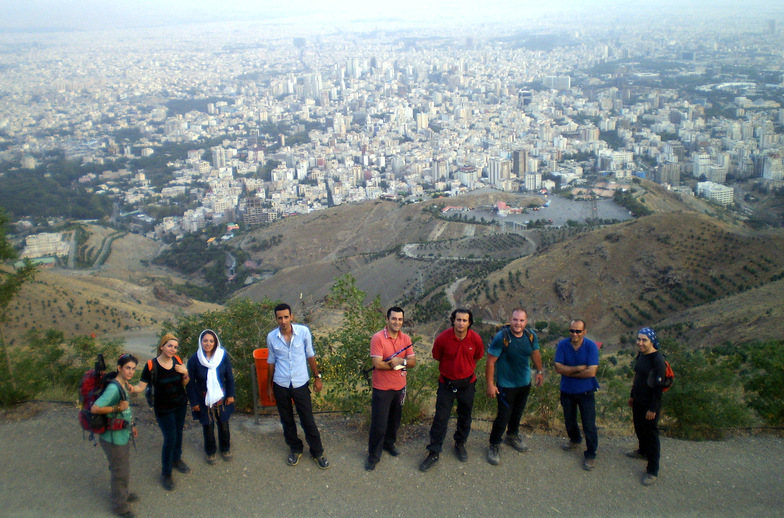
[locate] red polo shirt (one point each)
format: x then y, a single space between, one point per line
382 346
457 358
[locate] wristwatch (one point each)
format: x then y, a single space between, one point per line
540 372
319 375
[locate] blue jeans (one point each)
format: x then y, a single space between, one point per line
224 436
171 424
586 402
511 405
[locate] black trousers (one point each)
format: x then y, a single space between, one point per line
224 436
647 431
300 397
445 397
511 405
386 409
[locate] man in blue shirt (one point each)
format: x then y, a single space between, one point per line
577 360
290 348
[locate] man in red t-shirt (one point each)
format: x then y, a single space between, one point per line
457 350
391 353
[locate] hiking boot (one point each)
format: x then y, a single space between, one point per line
167 482
516 442
226 456
589 464
180 466
321 461
429 462
293 458
569 446
211 459
392 450
635 454
648 480
370 464
461 452
132 497
494 454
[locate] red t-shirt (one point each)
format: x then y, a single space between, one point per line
457 358
382 346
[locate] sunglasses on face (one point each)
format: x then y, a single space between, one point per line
576 331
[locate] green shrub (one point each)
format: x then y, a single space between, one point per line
767 381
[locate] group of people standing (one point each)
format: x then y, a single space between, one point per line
208 383
509 379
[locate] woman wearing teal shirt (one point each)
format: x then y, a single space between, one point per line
113 402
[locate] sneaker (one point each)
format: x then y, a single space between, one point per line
180 466
589 464
321 461
494 454
635 454
648 480
226 456
429 462
516 442
569 446
132 497
211 459
167 482
293 458
392 450
370 465
461 452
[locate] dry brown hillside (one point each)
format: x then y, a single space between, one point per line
640 272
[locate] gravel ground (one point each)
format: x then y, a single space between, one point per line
49 470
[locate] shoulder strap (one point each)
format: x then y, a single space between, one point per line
178 359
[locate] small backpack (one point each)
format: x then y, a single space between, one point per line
149 392
93 384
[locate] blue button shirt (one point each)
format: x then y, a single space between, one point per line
587 354
290 360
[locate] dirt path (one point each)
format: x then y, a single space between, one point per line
48 470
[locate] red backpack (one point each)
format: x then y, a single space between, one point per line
93 383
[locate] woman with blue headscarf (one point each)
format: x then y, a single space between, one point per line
212 393
645 400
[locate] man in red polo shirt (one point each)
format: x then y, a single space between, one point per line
457 350
391 353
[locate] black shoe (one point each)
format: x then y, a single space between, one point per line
370 465
126 514
392 450
293 458
321 461
167 482
180 466
429 461
132 497
635 454
461 452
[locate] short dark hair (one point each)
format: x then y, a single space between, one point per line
282 307
519 308
126 358
462 310
395 309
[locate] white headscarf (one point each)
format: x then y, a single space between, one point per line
214 390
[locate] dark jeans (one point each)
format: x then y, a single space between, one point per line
586 402
386 409
445 397
511 404
647 432
224 436
171 424
301 398
120 469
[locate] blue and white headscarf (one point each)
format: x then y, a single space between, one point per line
651 334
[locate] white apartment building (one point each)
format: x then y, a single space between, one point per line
721 194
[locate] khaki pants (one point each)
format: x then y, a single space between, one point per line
120 469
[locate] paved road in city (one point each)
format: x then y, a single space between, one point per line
49 470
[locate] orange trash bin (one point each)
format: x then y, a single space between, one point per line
260 359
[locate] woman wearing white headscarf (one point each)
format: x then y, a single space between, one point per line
211 393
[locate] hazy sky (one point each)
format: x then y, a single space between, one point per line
87 14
